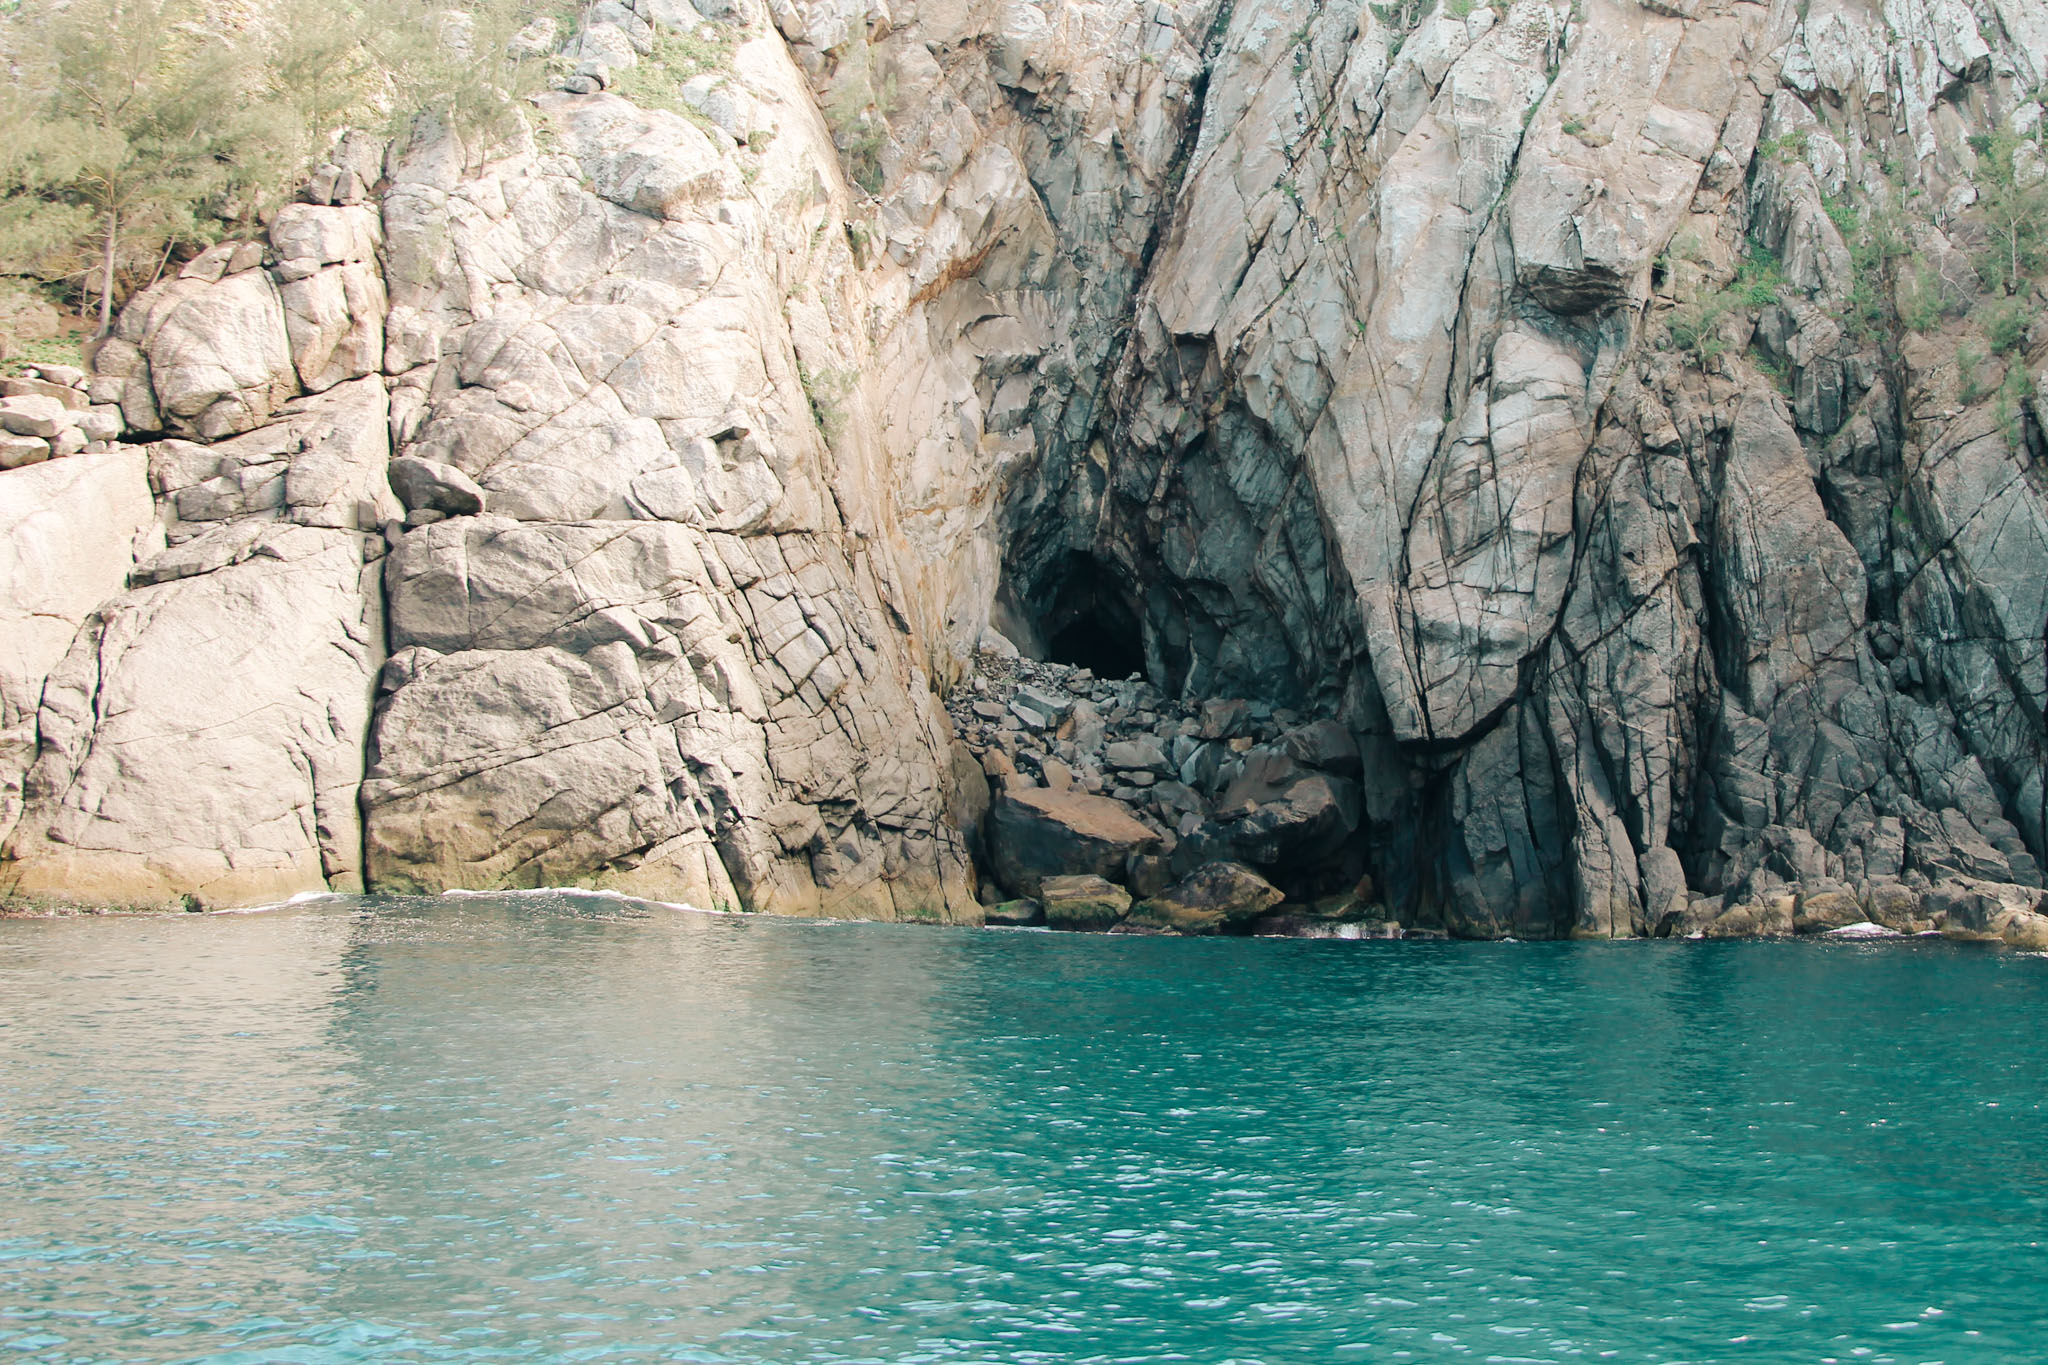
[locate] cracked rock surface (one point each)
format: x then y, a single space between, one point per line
1308 367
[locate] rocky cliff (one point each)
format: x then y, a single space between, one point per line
1560 469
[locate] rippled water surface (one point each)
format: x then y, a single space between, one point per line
563 1129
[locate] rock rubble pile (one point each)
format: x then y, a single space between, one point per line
52 411
1112 806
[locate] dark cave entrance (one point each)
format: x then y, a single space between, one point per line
1090 622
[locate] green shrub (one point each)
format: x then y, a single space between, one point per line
2013 215
2013 393
2006 325
1970 371
68 349
656 80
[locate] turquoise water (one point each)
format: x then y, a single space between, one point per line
549 1129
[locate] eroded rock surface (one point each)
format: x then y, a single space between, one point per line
1325 401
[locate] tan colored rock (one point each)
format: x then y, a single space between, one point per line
1825 910
69 533
1207 900
201 738
1038 833
1759 919
1085 902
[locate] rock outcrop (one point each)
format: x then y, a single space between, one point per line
1553 469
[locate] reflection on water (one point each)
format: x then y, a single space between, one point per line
567 1129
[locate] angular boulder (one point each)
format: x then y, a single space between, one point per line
432 486
1016 913
1209 899
1824 910
1085 902
1038 833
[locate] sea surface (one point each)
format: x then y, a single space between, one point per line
560 1128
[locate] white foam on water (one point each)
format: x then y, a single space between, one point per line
604 893
301 898
1863 930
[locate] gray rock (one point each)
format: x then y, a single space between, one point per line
431 485
1138 755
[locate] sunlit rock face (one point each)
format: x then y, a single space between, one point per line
1315 360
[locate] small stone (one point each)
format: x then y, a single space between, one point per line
70 441
989 710
424 516
101 424
1058 776
1143 753
68 375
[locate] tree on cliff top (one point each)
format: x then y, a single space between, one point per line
150 126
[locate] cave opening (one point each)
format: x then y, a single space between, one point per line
1090 622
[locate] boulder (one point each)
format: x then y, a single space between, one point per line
1323 744
1770 918
1039 833
1224 718
1020 912
2026 930
1038 708
334 320
1824 910
1207 900
17 452
34 414
62 393
219 357
1310 818
433 486
1896 906
1974 911
1138 755
1084 902
69 376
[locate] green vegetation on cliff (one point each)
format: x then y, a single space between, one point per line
157 126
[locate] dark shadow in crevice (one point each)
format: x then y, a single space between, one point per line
1090 623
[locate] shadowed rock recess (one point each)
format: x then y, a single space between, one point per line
1201 469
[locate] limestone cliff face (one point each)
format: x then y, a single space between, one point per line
613 509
